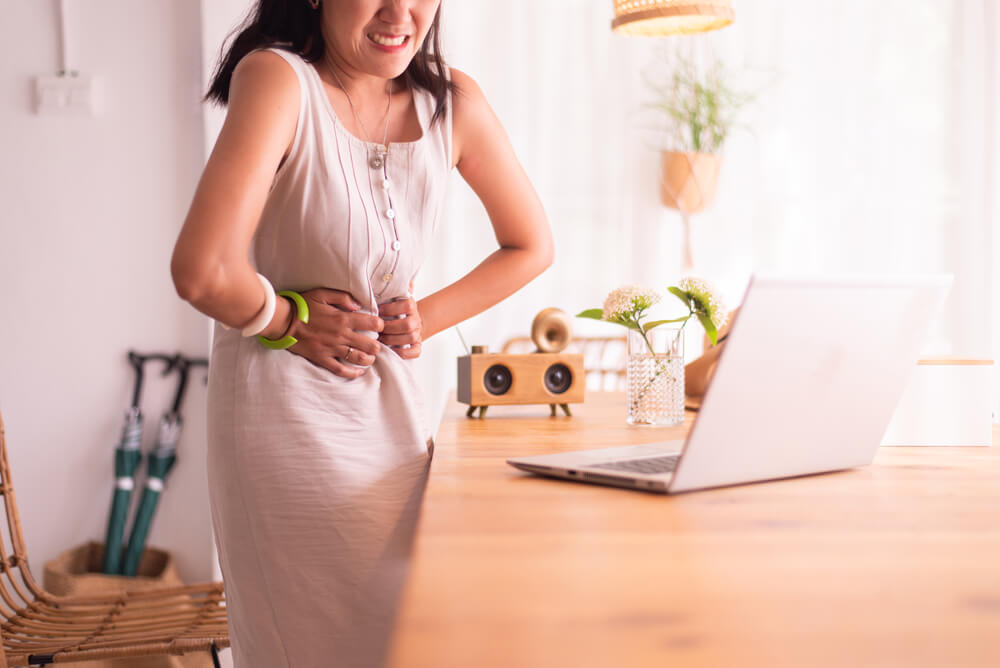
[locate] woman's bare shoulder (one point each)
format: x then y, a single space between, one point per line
467 92
263 103
473 120
265 71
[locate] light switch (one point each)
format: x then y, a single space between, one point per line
64 94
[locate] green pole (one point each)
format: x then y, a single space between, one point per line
158 465
127 457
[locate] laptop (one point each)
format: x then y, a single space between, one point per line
808 381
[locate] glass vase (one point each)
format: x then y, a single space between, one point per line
655 373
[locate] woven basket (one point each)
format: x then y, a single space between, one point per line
77 572
688 180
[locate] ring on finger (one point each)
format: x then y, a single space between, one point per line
347 355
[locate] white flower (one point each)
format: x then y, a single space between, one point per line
706 300
626 301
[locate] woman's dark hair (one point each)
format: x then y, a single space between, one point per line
295 26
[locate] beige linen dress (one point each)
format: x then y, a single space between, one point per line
315 481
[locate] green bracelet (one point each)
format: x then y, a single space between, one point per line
302 311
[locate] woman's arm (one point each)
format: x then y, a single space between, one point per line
486 160
210 264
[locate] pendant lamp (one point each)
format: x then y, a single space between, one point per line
654 18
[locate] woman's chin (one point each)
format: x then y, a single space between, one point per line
387 71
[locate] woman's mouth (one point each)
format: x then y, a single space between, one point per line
390 42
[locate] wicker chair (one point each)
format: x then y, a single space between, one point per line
38 628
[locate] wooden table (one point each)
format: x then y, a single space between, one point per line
896 564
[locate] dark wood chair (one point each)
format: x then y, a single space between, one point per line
38 628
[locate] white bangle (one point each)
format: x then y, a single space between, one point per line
263 318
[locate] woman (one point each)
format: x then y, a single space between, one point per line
342 128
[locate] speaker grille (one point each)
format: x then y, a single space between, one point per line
497 379
558 378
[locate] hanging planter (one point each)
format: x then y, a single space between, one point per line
699 109
687 183
688 179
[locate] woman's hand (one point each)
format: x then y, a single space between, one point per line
332 339
403 327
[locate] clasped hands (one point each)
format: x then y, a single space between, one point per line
334 337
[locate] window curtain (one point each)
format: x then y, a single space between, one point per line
871 147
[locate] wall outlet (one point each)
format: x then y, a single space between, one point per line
64 94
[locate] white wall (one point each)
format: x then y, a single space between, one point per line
992 23
90 210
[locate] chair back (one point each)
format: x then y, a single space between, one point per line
17 586
43 628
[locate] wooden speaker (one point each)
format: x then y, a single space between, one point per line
550 377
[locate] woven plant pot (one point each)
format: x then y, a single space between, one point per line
77 572
688 180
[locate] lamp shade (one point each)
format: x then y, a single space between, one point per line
653 18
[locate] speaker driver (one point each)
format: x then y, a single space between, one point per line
497 379
558 378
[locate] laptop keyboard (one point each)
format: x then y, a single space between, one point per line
646 465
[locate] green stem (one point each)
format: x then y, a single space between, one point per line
684 324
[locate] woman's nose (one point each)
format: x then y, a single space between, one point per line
395 11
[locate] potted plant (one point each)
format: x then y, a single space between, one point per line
655 354
699 110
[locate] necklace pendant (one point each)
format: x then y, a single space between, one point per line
379 157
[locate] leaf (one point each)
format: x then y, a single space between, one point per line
699 106
680 294
706 322
627 322
656 323
595 313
